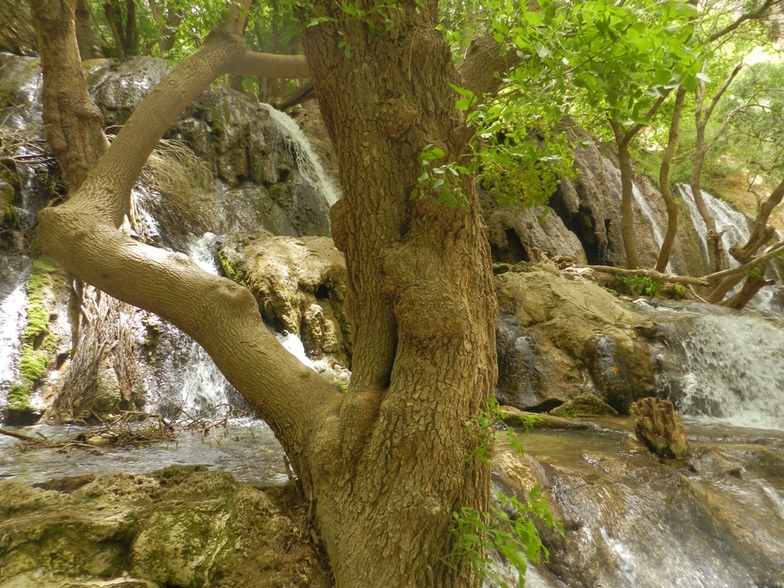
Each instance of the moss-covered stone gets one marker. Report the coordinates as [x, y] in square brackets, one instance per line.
[37, 349]
[182, 526]
[584, 405]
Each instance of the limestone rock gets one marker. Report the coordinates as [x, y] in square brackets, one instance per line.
[584, 405]
[182, 526]
[560, 335]
[300, 285]
[659, 428]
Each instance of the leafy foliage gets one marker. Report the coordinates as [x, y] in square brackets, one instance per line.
[507, 529]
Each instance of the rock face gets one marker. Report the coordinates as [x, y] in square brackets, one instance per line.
[628, 517]
[182, 526]
[659, 428]
[300, 285]
[561, 335]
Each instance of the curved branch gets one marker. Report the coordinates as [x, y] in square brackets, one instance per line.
[223, 317]
[268, 65]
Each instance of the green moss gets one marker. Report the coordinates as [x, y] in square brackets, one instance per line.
[38, 342]
[232, 272]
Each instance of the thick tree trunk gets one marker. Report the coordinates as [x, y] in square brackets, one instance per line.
[422, 303]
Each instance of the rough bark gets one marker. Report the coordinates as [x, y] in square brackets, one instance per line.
[664, 182]
[73, 124]
[420, 296]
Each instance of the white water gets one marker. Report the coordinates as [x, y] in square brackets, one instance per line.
[642, 204]
[13, 305]
[308, 162]
[731, 222]
[734, 368]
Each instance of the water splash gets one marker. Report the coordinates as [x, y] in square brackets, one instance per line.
[734, 368]
[13, 303]
[308, 162]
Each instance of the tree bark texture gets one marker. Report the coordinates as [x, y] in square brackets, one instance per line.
[73, 125]
[397, 459]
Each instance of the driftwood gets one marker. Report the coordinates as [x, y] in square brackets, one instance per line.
[705, 281]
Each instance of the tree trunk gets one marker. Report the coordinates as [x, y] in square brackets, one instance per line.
[664, 183]
[421, 300]
[386, 464]
[88, 46]
[761, 233]
[627, 197]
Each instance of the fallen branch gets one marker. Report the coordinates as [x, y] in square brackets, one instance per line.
[21, 436]
[649, 273]
[749, 265]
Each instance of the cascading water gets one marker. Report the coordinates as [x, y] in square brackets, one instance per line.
[731, 222]
[308, 162]
[13, 302]
[733, 369]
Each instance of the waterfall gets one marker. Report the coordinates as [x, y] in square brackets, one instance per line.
[733, 370]
[731, 222]
[308, 162]
[13, 303]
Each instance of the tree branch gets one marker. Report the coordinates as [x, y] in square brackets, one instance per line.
[268, 65]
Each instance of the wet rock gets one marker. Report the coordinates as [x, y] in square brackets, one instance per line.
[516, 234]
[627, 517]
[300, 285]
[584, 405]
[549, 325]
[183, 526]
[659, 428]
[620, 373]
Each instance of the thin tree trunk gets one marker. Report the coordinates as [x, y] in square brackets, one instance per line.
[761, 233]
[664, 183]
[88, 47]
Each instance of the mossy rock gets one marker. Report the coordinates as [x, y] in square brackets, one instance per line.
[183, 526]
[584, 405]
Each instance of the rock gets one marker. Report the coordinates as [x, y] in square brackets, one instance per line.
[560, 335]
[182, 526]
[300, 285]
[584, 405]
[659, 428]
[516, 234]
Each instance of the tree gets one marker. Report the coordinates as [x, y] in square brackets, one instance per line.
[385, 465]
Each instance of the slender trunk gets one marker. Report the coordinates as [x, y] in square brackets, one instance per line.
[761, 233]
[664, 182]
[88, 47]
[113, 17]
[627, 198]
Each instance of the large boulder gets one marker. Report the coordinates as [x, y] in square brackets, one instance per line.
[300, 285]
[179, 527]
[561, 335]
